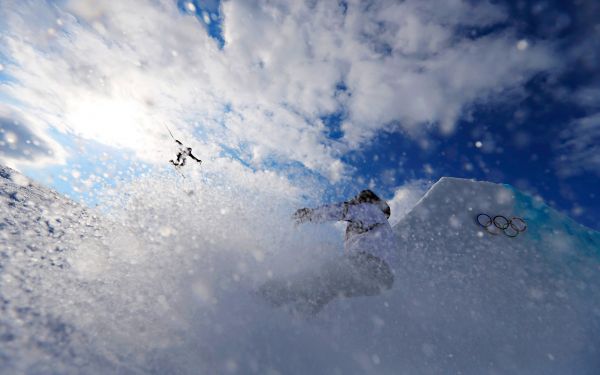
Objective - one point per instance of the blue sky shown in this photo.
(329, 97)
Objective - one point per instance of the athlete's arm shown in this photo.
(332, 212)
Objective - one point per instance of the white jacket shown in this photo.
(368, 229)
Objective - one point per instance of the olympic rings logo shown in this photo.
(501, 224)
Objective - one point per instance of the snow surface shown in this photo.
(160, 279)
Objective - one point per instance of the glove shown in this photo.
(302, 215)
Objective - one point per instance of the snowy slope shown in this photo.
(529, 304)
(164, 284)
(35, 224)
(75, 294)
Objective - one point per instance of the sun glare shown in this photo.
(118, 123)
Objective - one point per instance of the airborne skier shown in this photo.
(364, 269)
(182, 155)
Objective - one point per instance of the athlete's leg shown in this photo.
(349, 276)
(374, 276)
(357, 275)
(300, 286)
(310, 290)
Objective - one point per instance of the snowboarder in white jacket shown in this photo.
(364, 270)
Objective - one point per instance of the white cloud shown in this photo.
(578, 148)
(23, 142)
(114, 71)
(588, 97)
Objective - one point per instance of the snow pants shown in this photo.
(360, 274)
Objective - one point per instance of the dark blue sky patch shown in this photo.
(333, 123)
(208, 14)
(545, 19)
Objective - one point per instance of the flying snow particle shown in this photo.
(202, 291)
(190, 6)
(89, 182)
(521, 139)
(428, 349)
(11, 138)
(75, 173)
(577, 211)
(478, 144)
(522, 45)
(100, 28)
(19, 180)
(454, 222)
(536, 294)
(206, 18)
(378, 322)
(163, 302)
(375, 358)
(166, 231)
(1, 67)
(503, 197)
(258, 255)
(231, 366)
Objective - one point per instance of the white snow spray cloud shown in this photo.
(173, 278)
(163, 282)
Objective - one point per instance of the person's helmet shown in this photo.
(367, 196)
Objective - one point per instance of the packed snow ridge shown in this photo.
(163, 283)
